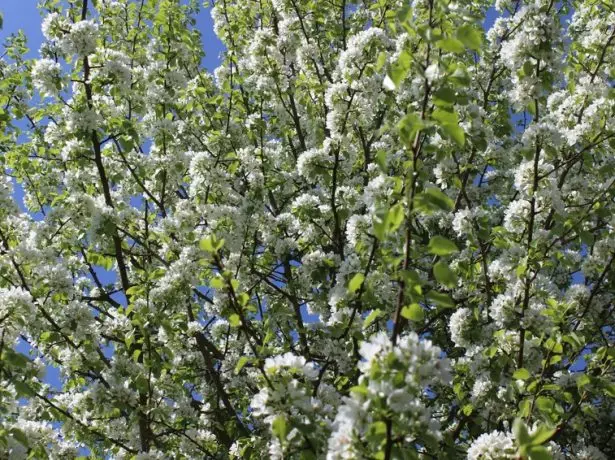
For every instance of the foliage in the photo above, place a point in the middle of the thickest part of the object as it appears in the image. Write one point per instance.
(376, 230)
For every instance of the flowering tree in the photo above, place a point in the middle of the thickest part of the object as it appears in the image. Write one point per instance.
(376, 231)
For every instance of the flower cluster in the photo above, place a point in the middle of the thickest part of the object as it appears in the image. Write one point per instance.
(395, 377)
(46, 76)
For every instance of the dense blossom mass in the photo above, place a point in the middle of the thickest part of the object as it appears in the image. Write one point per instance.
(380, 229)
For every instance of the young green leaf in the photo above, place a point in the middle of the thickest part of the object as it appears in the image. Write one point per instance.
(234, 320)
(452, 45)
(241, 362)
(373, 316)
(449, 123)
(470, 37)
(409, 126)
(521, 374)
(413, 312)
(520, 432)
(444, 275)
(438, 198)
(395, 217)
(441, 246)
(440, 299)
(539, 453)
(279, 427)
(356, 282)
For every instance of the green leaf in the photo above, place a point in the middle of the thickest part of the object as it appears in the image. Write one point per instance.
(520, 432)
(445, 117)
(539, 453)
(395, 217)
(240, 364)
(359, 389)
(15, 358)
(305, 455)
(19, 436)
(206, 244)
(45, 336)
(234, 320)
(408, 127)
(410, 276)
(586, 237)
(376, 432)
(470, 37)
(455, 133)
(380, 228)
(553, 346)
(445, 97)
(234, 284)
(388, 221)
(528, 68)
(583, 380)
(211, 244)
(23, 388)
(573, 339)
(216, 283)
(438, 198)
(521, 374)
(400, 68)
(373, 316)
(356, 282)
(524, 407)
(404, 13)
(542, 435)
(441, 246)
(452, 45)
(432, 200)
(381, 160)
(449, 123)
(545, 404)
(382, 58)
(243, 299)
(279, 427)
(413, 312)
(444, 275)
(520, 271)
(440, 299)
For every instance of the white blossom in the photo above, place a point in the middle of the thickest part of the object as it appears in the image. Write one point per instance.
(492, 446)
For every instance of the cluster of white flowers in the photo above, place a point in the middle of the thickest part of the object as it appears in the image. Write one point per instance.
(397, 375)
(16, 305)
(291, 363)
(492, 446)
(86, 120)
(517, 214)
(81, 39)
(313, 162)
(117, 67)
(46, 76)
(584, 452)
(349, 422)
(7, 204)
(54, 26)
(73, 38)
(460, 325)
